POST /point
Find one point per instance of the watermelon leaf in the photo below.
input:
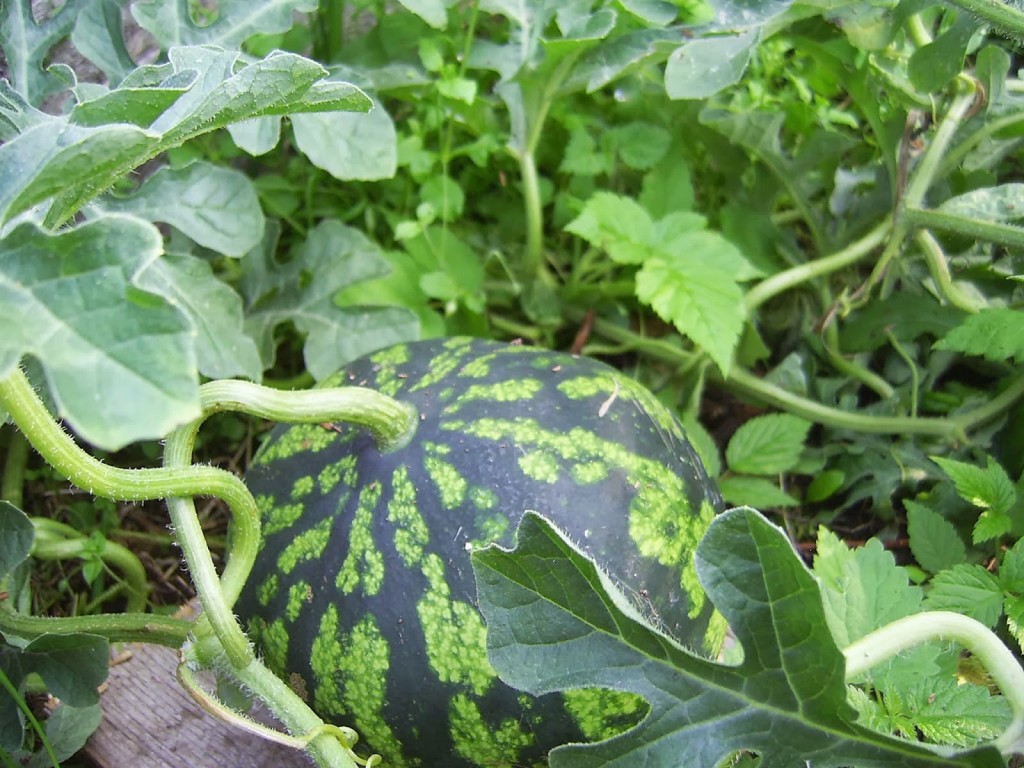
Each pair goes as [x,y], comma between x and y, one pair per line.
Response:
[555,623]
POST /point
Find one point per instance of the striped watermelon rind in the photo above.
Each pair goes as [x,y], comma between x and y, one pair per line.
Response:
[363,596]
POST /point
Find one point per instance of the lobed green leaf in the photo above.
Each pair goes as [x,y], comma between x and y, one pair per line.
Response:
[171,21]
[120,362]
[303,290]
[555,623]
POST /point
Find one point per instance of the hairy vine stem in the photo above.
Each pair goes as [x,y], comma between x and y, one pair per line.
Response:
[392,423]
[884,643]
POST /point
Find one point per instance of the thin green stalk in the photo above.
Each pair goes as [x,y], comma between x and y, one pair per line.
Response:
[7,685]
[534,117]
[802,273]
[976,229]
[955,157]
[54,540]
[115,627]
[867,377]
[915,376]
[924,174]
[12,488]
[745,383]
[910,631]
[939,269]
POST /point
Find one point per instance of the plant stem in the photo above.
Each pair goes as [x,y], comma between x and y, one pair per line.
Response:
[1003,16]
[26,710]
[790,278]
[745,383]
[115,627]
[939,269]
[924,174]
[994,232]
[56,541]
[12,488]
[884,643]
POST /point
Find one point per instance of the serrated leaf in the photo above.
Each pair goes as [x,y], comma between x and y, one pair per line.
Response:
[361,147]
[26,44]
[704,66]
[767,445]
[668,187]
[996,334]
[120,362]
[616,224]
[1011,569]
[223,349]
[933,539]
[966,589]
[689,288]
[215,206]
[758,492]
[171,23]
[946,712]
[555,623]
[16,537]
[863,589]
[302,291]
[988,488]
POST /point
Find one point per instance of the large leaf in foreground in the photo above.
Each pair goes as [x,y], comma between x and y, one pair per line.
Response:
[120,362]
[73,158]
[555,623]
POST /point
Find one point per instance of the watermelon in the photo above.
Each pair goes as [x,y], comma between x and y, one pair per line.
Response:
[363,596]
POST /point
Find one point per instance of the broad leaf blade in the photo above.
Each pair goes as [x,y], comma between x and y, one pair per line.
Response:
[215,206]
[360,147]
[767,445]
[120,362]
[16,537]
[555,623]
[223,349]
[171,23]
[303,292]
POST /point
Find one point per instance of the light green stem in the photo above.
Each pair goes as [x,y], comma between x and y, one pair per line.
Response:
[744,382]
[115,627]
[939,269]
[905,633]
[54,540]
[790,278]
[1001,15]
[11,487]
[1009,235]
[925,173]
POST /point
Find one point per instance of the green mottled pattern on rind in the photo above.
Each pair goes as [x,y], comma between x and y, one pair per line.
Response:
[364,594]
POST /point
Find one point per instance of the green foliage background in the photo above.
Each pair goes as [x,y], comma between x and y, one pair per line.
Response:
[797,222]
